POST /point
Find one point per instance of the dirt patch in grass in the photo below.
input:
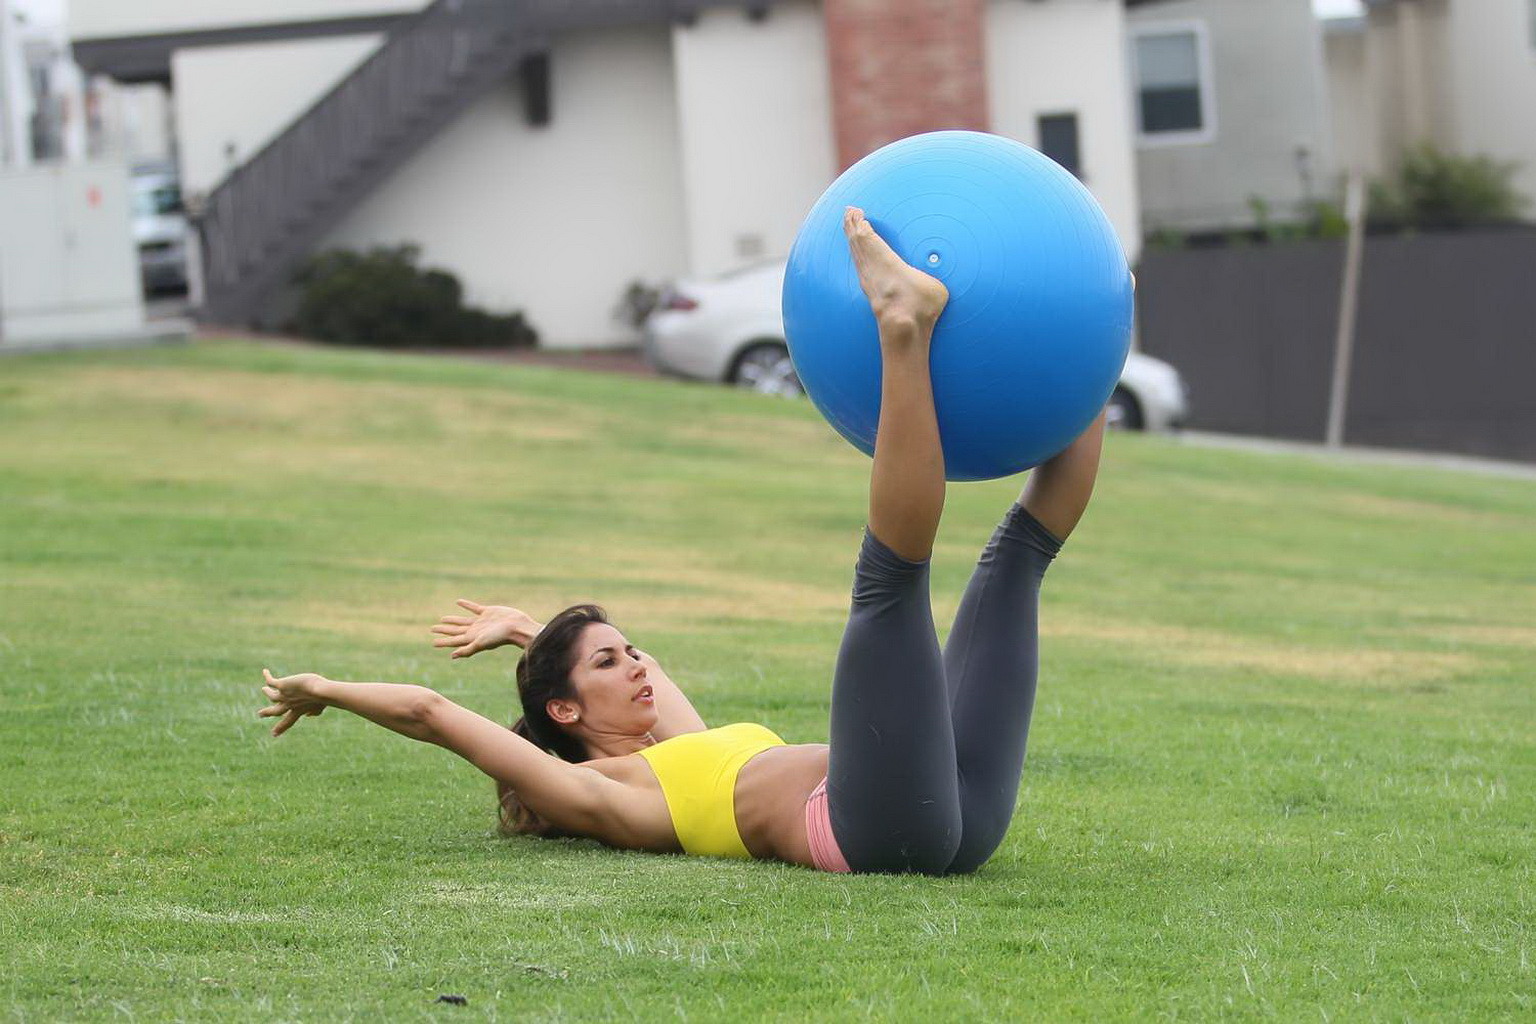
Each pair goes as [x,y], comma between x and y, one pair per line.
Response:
[659,588]
[374,623]
[1423,513]
[225,399]
[519,897]
[1214,649]
[762,435]
[1492,635]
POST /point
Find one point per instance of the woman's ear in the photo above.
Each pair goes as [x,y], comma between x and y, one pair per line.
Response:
[563,712]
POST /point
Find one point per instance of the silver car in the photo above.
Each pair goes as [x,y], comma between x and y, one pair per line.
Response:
[159,228]
[731,329]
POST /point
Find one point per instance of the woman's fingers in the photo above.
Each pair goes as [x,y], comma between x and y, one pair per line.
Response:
[450,641]
[466,649]
[455,620]
[284,706]
[470,606]
[449,630]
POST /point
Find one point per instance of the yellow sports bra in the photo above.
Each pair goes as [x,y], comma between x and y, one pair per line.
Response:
[698,773]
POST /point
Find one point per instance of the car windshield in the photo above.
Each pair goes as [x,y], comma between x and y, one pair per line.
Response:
[156,201]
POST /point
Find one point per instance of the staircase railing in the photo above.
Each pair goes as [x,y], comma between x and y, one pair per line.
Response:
[270,212]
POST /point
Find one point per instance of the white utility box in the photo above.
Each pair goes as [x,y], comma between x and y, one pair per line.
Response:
[69,269]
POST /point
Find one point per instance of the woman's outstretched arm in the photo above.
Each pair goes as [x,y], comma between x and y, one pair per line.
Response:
[570,796]
[396,706]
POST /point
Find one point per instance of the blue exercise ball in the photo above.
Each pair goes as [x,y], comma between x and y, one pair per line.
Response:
[1038,324]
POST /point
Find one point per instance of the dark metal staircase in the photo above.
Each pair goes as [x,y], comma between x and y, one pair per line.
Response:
[261,222]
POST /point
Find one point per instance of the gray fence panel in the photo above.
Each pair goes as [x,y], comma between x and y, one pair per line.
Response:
[1445,354]
[1251,329]
[1447,360]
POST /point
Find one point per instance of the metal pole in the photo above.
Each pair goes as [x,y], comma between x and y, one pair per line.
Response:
[1344,343]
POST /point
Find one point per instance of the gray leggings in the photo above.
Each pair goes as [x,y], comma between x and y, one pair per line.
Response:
[927,748]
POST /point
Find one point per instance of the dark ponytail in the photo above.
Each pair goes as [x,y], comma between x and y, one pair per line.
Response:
[544,674]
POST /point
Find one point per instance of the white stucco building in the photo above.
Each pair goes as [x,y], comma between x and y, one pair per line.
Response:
[656,139]
[1460,74]
[672,146]
[1233,109]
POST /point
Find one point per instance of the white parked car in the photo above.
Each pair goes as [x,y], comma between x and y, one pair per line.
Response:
[731,329]
[159,228]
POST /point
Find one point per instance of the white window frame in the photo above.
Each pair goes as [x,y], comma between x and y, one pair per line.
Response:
[1207,132]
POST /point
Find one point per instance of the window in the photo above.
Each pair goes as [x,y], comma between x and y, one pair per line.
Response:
[1173,83]
[1058,140]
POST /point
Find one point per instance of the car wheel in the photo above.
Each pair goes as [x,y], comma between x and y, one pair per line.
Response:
[766,368]
[1124,412]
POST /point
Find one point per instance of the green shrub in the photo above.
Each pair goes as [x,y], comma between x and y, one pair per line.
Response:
[1312,219]
[1166,238]
[1327,220]
[1432,189]
[382,298]
[1267,228]
[638,302]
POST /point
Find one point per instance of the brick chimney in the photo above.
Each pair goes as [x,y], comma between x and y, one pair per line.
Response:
[904,66]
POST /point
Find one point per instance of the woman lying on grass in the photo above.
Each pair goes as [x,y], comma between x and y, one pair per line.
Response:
[927,746]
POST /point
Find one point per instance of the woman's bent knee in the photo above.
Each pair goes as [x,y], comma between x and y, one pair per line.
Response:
[907,854]
[907,864]
[982,835]
[966,862]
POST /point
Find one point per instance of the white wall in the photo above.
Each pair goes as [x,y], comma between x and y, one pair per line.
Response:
[97,19]
[1492,84]
[243,96]
[755,125]
[133,122]
[1270,99]
[555,220]
[1457,73]
[1356,121]
[1408,65]
[17,104]
[69,270]
[1068,56]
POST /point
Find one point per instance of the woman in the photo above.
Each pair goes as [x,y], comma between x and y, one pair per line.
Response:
[927,746]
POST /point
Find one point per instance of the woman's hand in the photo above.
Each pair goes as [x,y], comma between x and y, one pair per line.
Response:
[487,627]
[292,697]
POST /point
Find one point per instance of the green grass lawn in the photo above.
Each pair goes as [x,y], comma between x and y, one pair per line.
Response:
[1282,763]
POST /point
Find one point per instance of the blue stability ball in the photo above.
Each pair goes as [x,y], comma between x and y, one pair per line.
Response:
[1040,307]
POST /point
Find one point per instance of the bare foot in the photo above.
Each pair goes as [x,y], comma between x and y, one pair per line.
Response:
[897,291]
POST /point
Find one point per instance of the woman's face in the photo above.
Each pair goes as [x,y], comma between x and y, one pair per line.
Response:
[616,698]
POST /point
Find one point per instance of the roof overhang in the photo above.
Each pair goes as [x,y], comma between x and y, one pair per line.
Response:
[147,58]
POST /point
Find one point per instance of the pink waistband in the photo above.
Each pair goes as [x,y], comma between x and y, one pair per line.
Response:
[818,829]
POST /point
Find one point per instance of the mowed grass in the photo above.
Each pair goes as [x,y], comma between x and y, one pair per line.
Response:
[1282,762]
